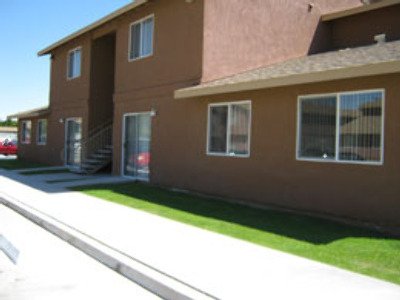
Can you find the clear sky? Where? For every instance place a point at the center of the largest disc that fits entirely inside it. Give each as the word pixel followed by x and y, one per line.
pixel 29 26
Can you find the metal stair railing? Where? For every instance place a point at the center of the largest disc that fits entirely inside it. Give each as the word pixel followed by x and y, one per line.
pixel 98 138
pixel 98 128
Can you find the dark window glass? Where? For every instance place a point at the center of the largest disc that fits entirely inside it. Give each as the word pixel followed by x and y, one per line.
pixel 218 129
pixel 318 128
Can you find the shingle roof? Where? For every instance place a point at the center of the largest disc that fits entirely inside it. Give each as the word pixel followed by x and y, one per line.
pixel 348 63
pixel 33 113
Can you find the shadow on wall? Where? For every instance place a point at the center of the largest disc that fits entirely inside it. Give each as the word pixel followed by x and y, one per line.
pixel 304 228
pixel 321 41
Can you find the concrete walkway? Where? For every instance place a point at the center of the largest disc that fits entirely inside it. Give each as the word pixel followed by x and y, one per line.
pixel 45 268
pixel 175 260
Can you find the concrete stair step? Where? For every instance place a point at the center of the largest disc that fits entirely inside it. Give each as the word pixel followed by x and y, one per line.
pixel 104 151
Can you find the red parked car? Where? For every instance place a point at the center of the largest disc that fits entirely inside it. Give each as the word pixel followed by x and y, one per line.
pixel 8 147
pixel 139 162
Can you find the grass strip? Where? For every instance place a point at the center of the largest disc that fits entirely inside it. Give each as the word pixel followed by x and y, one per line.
pixel 16 164
pixel 43 172
pixel 352 248
pixel 64 180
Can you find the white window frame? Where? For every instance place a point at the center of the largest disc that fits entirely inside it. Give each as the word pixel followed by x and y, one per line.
pixel 122 167
pixel 130 59
pixel 23 137
pixel 78 120
pixel 228 133
pixel 337 160
pixel 68 64
pixel 38 142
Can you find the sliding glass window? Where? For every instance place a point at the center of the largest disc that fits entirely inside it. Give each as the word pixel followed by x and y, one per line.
pixel 229 129
pixel 346 127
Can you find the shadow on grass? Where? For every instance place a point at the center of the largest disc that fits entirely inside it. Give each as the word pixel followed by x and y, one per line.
pixel 45 172
pixel 16 164
pixel 309 229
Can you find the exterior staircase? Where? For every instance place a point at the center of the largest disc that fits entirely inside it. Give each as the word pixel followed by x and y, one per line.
pixel 95 161
pixel 96 150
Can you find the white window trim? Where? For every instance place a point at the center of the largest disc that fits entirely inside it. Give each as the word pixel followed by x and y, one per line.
pixel 23 138
pixel 141 33
pixel 336 160
pixel 228 137
pixel 80 67
pixel 38 135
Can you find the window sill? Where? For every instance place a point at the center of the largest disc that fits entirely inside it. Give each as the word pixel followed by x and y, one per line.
pixel 343 162
pixel 139 58
pixel 72 78
pixel 228 155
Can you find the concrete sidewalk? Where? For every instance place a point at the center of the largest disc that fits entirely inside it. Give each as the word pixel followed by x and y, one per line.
pixel 179 258
pixel 45 267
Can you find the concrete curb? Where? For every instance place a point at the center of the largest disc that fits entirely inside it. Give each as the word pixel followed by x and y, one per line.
pixel 9 249
pixel 157 282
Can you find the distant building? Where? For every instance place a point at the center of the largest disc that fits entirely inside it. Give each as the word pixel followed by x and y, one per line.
pixel 10 133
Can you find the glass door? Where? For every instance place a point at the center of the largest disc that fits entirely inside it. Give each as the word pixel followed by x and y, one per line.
pixel 136 146
pixel 73 136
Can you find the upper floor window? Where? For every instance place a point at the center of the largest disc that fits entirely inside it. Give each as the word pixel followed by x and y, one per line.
pixel 26 132
pixel 229 129
pixel 343 127
pixel 74 63
pixel 42 132
pixel 141 38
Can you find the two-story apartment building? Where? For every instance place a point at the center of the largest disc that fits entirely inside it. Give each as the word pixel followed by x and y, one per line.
pixel 285 103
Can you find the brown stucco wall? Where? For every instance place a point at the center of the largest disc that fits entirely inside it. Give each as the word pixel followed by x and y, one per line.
pixel 176 62
pixel 272 175
pixel 359 30
pixel 177 55
pixel 53 152
pixel 32 151
pixel 242 35
pixel 68 98
pixel 149 83
pixel 178 155
pixel 68 93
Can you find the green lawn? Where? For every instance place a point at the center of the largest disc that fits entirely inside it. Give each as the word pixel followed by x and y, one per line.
pixel 15 164
pixel 348 247
pixel 43 172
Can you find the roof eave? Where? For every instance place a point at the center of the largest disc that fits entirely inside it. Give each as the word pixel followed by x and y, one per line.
pixel 314 77
pixel 358 10
pixel 92 26
pixel 43 111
